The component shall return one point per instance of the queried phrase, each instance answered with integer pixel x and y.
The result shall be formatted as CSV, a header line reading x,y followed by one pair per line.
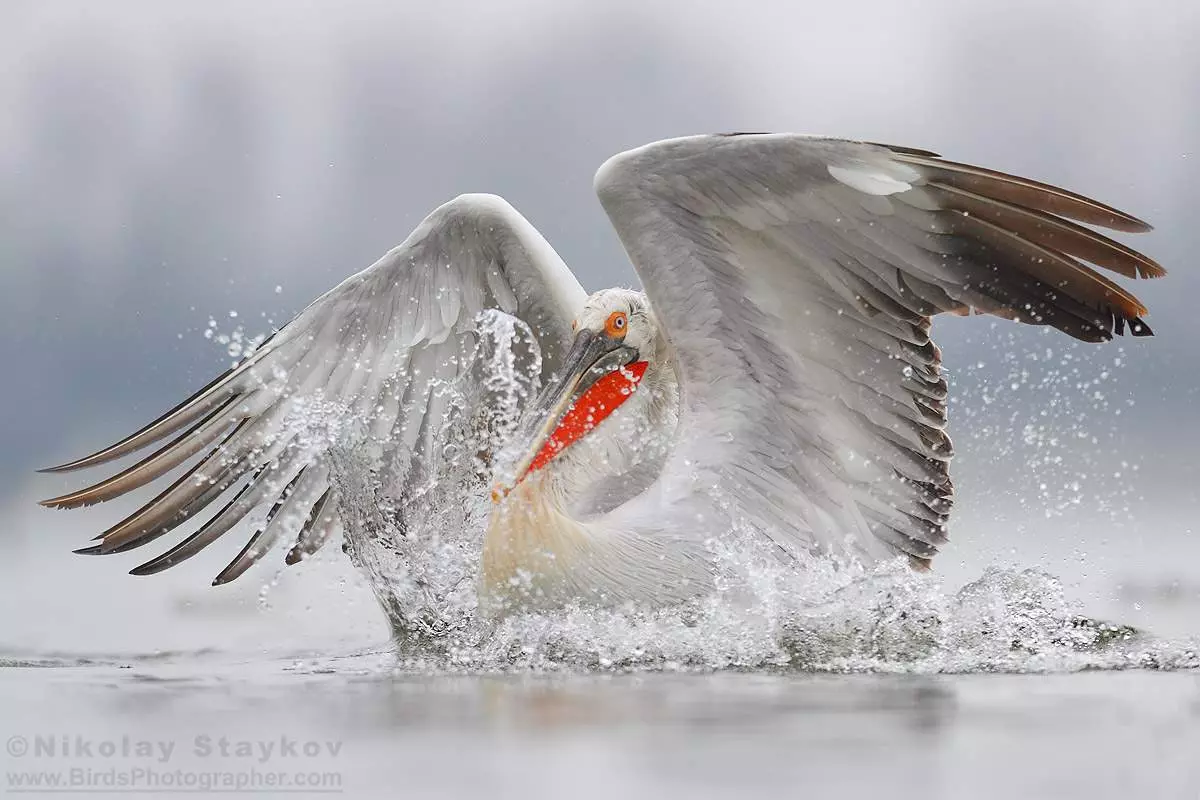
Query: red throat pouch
x,y
593,407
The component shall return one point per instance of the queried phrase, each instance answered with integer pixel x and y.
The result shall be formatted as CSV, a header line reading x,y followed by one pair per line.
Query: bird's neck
x,y
540,549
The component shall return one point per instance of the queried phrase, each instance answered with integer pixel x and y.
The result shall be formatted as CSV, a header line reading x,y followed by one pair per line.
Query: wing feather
x,y
322,523
1022,192
381,349
803,272
233,512
162,461
292,512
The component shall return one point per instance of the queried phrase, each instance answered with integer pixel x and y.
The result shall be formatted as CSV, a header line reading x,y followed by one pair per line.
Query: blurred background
x,y
175,173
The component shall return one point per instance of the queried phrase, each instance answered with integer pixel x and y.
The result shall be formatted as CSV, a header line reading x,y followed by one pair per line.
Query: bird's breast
x,y
532,551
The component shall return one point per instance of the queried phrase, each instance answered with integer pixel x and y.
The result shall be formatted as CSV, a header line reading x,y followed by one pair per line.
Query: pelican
x,y
775,376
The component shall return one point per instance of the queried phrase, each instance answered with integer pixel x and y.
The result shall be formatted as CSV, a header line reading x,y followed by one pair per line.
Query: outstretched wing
x,y
796,277
377,349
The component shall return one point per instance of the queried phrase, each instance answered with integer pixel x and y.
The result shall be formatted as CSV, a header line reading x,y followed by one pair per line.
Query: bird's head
x,y
617,339
623,316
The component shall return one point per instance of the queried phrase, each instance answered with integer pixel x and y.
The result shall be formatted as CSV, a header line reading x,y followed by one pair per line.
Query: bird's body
x,y
776,377
549,541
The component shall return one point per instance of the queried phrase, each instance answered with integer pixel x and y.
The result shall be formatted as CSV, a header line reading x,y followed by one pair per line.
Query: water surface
x,y
1092,735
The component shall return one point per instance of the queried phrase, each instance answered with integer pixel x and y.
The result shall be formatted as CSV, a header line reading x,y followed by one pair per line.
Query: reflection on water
x,y
393,734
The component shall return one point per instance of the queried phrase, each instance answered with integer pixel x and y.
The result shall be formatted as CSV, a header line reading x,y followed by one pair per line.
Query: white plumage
x,y
777,375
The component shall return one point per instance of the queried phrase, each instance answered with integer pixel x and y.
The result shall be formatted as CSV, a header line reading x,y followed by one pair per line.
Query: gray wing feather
x,y
795,277
375,348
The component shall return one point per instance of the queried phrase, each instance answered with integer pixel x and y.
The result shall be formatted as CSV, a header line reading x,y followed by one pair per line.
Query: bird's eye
x,y
615,325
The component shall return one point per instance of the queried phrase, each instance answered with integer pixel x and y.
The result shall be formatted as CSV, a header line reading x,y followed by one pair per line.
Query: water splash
x,y
415,526
885,621
420,550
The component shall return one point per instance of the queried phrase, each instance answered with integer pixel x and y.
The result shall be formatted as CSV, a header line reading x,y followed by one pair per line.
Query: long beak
x,y
600,373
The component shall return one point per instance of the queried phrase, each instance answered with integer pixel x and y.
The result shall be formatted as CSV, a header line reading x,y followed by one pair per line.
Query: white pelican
x,y
777,374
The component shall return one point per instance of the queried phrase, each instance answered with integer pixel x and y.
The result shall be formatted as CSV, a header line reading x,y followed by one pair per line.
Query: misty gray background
x,y
162,164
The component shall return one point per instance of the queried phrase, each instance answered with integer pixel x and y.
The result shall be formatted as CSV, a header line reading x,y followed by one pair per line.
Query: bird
x,y
775,374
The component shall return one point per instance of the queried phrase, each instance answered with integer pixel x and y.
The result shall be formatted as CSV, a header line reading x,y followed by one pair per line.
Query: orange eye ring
x,y
616,324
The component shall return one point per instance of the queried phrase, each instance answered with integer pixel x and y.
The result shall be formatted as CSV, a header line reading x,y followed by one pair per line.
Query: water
x,y
816,679
893,687
776,733
826,683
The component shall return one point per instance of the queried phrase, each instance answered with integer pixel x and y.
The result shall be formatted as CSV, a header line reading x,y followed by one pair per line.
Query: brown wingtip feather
x,y
152,567
1024,192
196,406
162,461
53,502
920,564
1055,269
294,556
1023,227
314,533
1138,327
197,541
908,151
234,569
224,387
1049,231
